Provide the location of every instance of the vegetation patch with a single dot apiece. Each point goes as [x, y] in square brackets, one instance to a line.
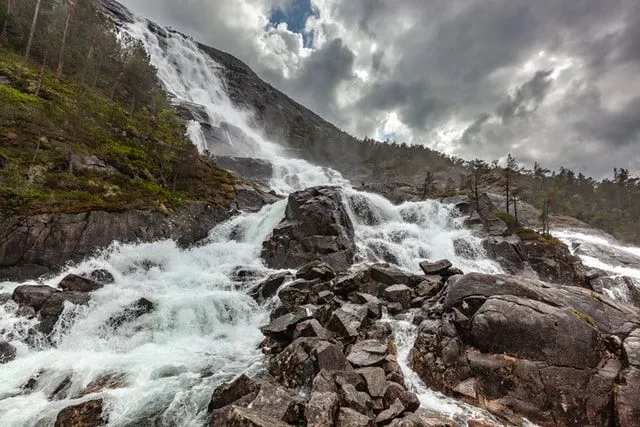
[586, 318]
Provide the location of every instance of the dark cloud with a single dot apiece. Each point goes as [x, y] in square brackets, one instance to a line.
[534, 91]
[477, 69]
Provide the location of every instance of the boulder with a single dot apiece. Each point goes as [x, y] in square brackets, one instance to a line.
[83, 414]
[7, 352]
[316, 270]
[367, 353]
[244, 417]
[54, 305]
[228, 393]
[102, 276]
[311, 328]
[435, 268]
[330, 357]
[321, 409]
[283, 327]
[131, 312]
[75, 283]
[375, 379]
[348, 417]
[33, 295]
[268, 287]
[356, 400]
[295, 366]
[316, 226]
[393, 391]
[347, 320]
[398, 293]
[427, 419]
[394, 411]
[515, 345]
[279, 404]
[388, 275]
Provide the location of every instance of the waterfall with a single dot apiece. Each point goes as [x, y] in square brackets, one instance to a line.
[204, 329]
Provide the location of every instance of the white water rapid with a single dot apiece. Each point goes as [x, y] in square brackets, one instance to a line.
[204, 329]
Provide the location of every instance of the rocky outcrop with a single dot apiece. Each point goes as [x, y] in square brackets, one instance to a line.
[31, 246]
[316, 226]
[550, 260]
[557, 355]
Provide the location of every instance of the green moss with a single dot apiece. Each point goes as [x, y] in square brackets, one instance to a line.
[150, 162]
[597, 297]
[585, 317]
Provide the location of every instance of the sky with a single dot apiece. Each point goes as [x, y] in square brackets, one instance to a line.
[553, 81]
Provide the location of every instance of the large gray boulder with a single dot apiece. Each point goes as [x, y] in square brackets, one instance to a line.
[316, 226]
[557, 355]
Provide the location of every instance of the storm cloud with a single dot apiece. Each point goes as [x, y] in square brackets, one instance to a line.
[551, 81]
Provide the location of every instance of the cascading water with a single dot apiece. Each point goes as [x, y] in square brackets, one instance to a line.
[204, 329]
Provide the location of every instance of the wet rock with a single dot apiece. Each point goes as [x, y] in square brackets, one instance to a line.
[367, 353]
[427, 419]
[386, 416]
[228, 393]
[132, 312]
[83, 414]
[298, 292]
[268, 287]
[311, 328]
[354, 399]
[347, 320]
[348, 417]
[316, 226]
[102, 276]
[283, 327]
[75, 283]
[379, 331]
[429, 287]
[322, 408]
[244, 417]
[53, 307]
[438, 268]
[33, 295]
[513, 345]
[324, 382]
[7, 352]
[316, 270]
[295, 366]
[393, 391]
[375, 379]
[279, 404]
[627, 398]
[330, 357]
[388, 275]
[111, 381]
[554, 263]
[400, 294]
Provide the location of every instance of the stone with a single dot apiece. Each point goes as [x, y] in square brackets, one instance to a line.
[330, 357]
[375, 379]
[399, 294]
[395, 391]
[102, 276]
[439, 267]
[33, 295]
[514, 345]
[138, 308]
[7, 352]
[110, 381]
[283, 327]
[427, 419]
[324, 382]
[268, 287]
[389, 275]
[348, 417]
[367, 353]
[315, 226]
[75, 283]
[311, 328]
[321, 409]
[294, 366]
[394, 411]
[230, 392]
[429, 287]
[278, 403]
[343, 378]
[354, 399]
[347, 320]
[83, 414]
[244, 417]
[316, 270]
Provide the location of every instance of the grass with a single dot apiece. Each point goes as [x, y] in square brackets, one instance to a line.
[526, 234]
[150, 164]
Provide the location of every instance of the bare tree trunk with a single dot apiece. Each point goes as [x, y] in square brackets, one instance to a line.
[515, 208]
[33, 30]
[64, 43]
[41, 76]
[86, 63]
[5, 24]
